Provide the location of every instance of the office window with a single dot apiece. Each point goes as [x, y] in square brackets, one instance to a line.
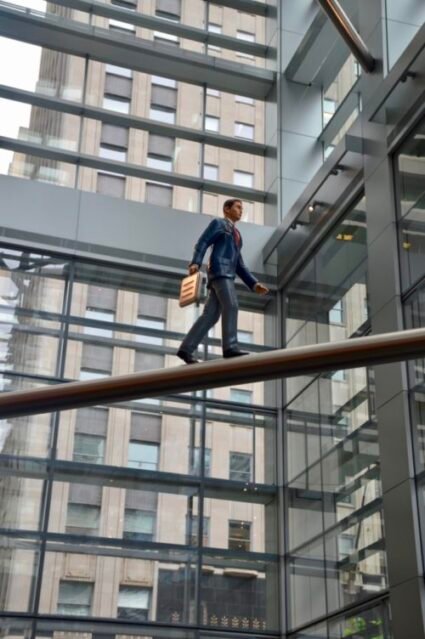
[162, 114]
[213, 28]
[239, 535]
[166, 38]
[117, 25]
[121, 71]
[121, 105]
[150, 322]
[87, 374]
[192, 523]
[139, 524]
[329, 108]
[242, 178]
[164, 82]
[346, 545]
[244, 130]
[243, 99]
[245, 337]
[160, 163]
[100, 316]
[195, 461]
[170, 9]
[210, 172]
[89, 449]
[117, 86]
[240, 467]
[114, 136]
[110, 153]
[159, 194]
[339, 376]
[336, 314]
[82, 519]
[134, 603]
[125, 4]
[240, 396]
[75, 598]
[97, 358]
[247, 37]
[112, 185]
[163, 97]
[143, 455]
[212, 123]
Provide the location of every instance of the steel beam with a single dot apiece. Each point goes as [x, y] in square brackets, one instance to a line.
[352, 353]
[345, 28]
[127, 50]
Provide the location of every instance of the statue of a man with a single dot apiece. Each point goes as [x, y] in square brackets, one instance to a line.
[224, 264]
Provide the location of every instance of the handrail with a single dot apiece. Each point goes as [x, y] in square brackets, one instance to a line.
[342, 22]
[361, 351]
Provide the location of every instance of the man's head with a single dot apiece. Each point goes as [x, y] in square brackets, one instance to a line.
[233, 209]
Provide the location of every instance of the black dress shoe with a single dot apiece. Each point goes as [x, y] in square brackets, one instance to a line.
[188, 358]
[234, 352]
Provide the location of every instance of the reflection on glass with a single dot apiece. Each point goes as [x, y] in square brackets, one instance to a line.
[411, 193]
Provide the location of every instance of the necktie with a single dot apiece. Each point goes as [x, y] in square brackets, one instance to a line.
[237, 236]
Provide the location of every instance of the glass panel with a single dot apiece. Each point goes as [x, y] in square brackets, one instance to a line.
[239, 593]
[138, 589]
[327, 300]
[19, 561]
[410, 171]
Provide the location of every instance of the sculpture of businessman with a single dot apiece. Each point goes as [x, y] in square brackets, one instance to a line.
[224, 264]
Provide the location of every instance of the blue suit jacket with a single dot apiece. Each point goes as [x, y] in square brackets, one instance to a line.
[225, 259]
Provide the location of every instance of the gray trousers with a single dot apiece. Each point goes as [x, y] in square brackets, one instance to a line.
[222, 301]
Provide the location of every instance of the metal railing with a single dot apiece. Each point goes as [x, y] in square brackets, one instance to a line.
[352, 353]
[345, 28]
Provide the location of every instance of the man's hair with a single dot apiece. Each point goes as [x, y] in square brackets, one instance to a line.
[229, 203]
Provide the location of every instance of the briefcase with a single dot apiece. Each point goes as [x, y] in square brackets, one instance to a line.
[190, 289]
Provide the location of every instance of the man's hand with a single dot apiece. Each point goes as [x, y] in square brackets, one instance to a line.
[193, 268]
[261, 289]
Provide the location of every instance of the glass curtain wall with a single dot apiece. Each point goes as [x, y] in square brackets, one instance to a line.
[410, 179]
[100, 518]
[129, 117]
[335, 557]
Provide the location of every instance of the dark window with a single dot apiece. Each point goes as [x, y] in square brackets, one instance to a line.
[139, 524]
[112, 185]
[239, 535]
[134, 603]
[143, 455]
[82, 519]
[75, 598]
[192, 522]
[89, 449]
[159, 194]
[195, 461]
[240, 467]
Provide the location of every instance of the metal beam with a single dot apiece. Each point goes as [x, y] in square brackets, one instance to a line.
[166, 26]
[124, 168]
[131, 121]
[351, 37]
[352, 353]
[128, 51]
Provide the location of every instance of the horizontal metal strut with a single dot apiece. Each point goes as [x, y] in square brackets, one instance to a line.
[342, 22]
[362, 351]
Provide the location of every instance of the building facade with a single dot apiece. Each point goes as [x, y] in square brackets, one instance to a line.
[291, 508]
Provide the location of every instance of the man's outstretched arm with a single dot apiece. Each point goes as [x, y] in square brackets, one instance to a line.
[248, 278]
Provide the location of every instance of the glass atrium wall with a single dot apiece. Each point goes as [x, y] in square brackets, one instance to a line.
[100, 517]
[335, 527]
